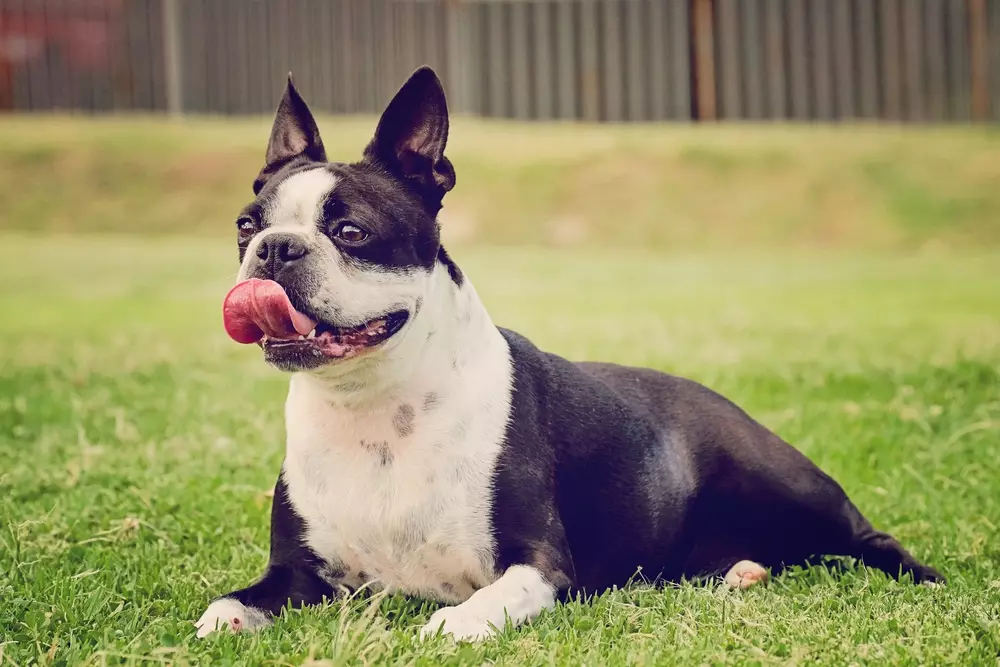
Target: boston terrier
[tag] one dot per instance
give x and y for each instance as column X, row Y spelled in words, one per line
column 432, row 453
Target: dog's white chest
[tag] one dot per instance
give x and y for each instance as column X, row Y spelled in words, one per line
column 400, row 495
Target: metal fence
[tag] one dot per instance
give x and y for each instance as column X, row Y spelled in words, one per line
column 601, row 60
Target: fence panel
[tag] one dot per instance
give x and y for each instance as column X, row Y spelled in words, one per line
column 993, row 16
column 636, row 56
column 542, row 65
column 593, row 60
column 913, row 79
column 752, row 73
column 776, row 65
column 934, row 62
column 868, row 81
column 566, row 65
column 728, row 45
column 889, row 52
column 843, row 60
column 798, row 44
column 679, row 31
column 959, row 83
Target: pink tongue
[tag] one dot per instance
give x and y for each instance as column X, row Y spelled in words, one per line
column 256, row 308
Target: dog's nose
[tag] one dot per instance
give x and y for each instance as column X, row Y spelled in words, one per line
column 281, row 249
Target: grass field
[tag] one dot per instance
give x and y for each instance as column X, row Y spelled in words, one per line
column 137, row 443
column 666, row 186
column 843, row 285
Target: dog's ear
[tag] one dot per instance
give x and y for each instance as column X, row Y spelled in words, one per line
column 411, row 137
column 293, row 135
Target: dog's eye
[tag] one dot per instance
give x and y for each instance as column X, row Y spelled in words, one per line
column 247, row 228
column 350, row 233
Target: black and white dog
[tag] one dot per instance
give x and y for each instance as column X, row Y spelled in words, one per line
column 432, row 453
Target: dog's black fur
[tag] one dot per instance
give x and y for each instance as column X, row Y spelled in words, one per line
column 647, row 470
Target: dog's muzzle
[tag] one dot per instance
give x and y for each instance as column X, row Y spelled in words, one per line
column 260, row 311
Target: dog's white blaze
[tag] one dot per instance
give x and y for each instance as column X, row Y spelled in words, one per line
column 391, row 455
column 297, row 207
column 299, row 199
column 520, row 594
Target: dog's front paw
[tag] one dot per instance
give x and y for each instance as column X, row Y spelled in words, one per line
column 232, row 614
column 462, row 624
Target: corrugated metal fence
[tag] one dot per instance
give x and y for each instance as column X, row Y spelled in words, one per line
column 614, row 60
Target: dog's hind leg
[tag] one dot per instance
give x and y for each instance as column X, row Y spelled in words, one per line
column 882, row 551
column 837, row 528
column 808, row 515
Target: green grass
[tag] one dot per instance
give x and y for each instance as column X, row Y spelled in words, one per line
column 137, row 443
column 669, row 186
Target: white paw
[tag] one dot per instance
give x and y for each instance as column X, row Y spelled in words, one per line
column 745, row 574
column 232, row 614
column 462, row 624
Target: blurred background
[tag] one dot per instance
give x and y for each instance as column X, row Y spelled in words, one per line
column 595, row 60
column 615, row 95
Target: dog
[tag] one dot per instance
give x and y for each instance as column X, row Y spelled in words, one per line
column 432, row 453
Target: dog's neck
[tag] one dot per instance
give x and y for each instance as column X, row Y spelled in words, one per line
column 450, row 331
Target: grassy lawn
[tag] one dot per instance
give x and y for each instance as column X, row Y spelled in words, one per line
column 669, row 186
column 137, row 444
column 841, row 284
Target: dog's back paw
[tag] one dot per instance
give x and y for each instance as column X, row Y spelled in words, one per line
column 927, row 576
column 745, row 574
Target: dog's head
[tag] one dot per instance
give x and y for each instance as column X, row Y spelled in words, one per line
column 353, row 246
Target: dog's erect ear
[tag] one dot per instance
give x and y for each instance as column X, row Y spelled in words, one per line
column 293, row 135
column 412, row 134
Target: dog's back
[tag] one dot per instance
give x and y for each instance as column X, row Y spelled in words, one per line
column 661, row 472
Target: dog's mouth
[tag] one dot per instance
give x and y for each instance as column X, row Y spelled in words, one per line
column 260, row 311
column 326, row 341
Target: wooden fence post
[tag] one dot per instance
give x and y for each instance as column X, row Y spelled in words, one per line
column 172, row 57
column 704, row 54
column 979, row 60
